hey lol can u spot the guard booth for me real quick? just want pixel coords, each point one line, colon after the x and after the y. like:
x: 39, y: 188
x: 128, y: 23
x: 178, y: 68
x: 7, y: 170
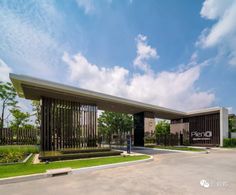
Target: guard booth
x: 206, y: 128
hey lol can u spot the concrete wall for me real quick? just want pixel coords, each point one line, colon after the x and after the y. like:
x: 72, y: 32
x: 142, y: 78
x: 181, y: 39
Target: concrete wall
x: 143, y: 122
x: 149, y: 122
x: 178, y: 127
x: 233, y: 135
x: 224, y: 125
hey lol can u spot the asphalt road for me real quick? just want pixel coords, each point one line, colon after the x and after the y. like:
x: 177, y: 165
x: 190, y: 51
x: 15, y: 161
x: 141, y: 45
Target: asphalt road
x: 169, y: 173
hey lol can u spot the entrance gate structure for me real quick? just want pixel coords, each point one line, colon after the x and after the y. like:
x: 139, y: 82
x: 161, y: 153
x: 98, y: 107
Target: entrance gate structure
x: 69, y: 114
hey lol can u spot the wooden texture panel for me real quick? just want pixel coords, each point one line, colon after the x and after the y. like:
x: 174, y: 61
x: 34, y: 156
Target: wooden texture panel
x: 203, y: 124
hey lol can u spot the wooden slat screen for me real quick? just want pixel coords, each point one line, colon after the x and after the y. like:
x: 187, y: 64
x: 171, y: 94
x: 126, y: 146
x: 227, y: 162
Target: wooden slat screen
x: 67, y: 124
x: 19, y: 136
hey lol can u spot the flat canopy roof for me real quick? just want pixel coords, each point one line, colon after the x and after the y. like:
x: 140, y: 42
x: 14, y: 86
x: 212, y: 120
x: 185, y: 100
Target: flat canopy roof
x: 34, y: 88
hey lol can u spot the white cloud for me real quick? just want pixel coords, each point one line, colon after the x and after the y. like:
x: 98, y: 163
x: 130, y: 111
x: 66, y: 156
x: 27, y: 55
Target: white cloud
x: 92, y: 6
x: 174, y: 89
x: 171, y: 89
x: 214, y: 9
x: 144, y: 53
x: 87, y: 5
x: 223, y: 32
x: 26, y: 38
x: 90, y: 76
x: 4, y: 71
x: 194, y: 57
x: 230, y: 110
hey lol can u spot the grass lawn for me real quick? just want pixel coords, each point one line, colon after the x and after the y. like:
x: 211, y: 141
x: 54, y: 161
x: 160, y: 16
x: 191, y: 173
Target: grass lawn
x: 177, y: 148
x: 29, y: 168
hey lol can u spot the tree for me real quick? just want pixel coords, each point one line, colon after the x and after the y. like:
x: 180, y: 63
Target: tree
x: 110, y: 123
x: 36, y: 112
x: 20, y: 119
x: 162, y: 128
x: 8, y: 99
x: 232, y: 124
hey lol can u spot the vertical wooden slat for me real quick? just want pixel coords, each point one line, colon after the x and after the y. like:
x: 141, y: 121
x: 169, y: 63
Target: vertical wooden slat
x: 56, y: 125
x: 69, y: 124
x: 46, y: 129
x: 75, y: 124
x: 62, y: 124
x: 52, y: 124
x: 79, y: 120
x: 84, y: 129
x: 91, y: 124
x: 86, y: 122
x: 72, y: 123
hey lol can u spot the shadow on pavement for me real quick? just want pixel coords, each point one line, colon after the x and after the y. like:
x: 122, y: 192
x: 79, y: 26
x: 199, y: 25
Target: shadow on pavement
x: 150, y: 151
x: 144, y: 150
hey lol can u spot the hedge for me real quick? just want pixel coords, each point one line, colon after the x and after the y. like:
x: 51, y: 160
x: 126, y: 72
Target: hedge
x: 71, y: 151
x: 78, y: 155
x: 229, y: 142
x: 19, y: 148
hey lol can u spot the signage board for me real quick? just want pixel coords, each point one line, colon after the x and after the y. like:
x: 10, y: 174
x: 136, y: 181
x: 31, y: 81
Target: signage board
x: 199, y: 135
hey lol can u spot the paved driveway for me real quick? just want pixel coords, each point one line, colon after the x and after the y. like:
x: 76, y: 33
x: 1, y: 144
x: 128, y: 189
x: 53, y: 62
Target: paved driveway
x: 169, y: 173
x: 150, y: 151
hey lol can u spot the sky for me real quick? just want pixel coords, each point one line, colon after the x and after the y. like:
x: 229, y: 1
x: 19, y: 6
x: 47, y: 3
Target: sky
x: 171, y: 53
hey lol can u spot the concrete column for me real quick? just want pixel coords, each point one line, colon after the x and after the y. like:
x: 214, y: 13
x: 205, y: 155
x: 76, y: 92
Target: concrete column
x: 143, y: 122
x: 224, y: 126
x: 139, y: 129
x: 149, y: 122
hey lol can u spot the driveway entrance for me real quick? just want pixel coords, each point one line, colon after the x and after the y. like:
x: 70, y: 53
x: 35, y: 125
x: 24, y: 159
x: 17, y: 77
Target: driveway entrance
x: 169, y: 173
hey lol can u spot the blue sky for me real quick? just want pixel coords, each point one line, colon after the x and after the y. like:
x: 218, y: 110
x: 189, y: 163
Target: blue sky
x: 177, y: 54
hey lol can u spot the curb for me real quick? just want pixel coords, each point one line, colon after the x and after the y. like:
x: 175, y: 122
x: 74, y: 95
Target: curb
x: 74, y: 171
x: 114, y: 165
x: 223, y: 149
x: 23, y: 178
x: 27, y: 158
x: 180, y: 151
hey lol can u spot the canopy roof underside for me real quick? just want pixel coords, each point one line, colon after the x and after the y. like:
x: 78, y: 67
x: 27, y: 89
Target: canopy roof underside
x: 34, y: 88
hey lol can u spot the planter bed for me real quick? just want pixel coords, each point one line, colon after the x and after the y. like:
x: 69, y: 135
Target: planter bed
x: 10, y: 154
x: 86, y: 150
x: 28, y: 168
x: 55, y: 156
x: 25, y: 158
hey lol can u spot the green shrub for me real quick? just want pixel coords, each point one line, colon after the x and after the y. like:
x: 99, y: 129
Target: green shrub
x: 9, y: 154
x: 19, y: 148
x: 10, y: 157
x: 229, y: 142
x: 186, y: 142
x: 149, y: 140
x: 86, y: 150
